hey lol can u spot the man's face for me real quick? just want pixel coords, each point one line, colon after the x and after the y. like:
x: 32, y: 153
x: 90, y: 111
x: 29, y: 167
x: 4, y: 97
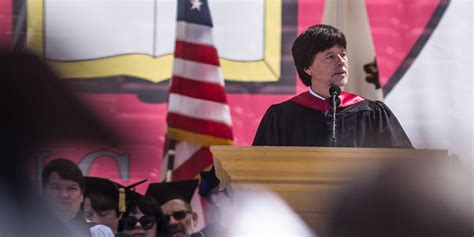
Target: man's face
x: 179, y: 227
x: 329, y: 67
x: 107, y: 217
x: 66, y: 195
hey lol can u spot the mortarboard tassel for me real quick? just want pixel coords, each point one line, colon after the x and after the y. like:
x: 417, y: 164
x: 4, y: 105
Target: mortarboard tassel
x: 121, y: 205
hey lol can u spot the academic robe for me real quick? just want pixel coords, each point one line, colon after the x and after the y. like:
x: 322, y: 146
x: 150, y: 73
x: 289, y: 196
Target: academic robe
x: 306, y: 120
x: 80, y: 226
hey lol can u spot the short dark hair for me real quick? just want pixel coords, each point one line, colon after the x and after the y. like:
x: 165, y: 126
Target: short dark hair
x: 103, y: 194
x: 313, y: 40
x: 148, y: 205
x: 66, y: 169
x: 101, y: 202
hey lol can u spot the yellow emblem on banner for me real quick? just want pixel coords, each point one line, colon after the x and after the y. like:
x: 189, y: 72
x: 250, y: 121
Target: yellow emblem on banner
x: 157, y: 69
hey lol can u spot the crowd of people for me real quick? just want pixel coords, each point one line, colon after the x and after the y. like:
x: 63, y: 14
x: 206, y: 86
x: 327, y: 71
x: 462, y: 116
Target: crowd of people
x: 398, y: 201
x: 94, y: 206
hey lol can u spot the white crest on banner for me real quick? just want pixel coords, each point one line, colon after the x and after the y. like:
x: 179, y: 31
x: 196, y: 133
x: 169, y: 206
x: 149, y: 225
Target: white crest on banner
x: 434, y: 99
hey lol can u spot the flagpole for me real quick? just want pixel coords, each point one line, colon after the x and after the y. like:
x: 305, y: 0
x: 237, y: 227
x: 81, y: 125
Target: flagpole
x: 171, y: 153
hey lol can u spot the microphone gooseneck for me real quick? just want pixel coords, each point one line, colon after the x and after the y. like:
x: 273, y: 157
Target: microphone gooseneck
x: 334, y: 91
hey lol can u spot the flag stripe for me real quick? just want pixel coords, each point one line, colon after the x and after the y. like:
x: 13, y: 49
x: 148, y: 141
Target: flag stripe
x: 195, y: 89
x: 201, y: 139
x: 198, y: 108
x: 200, y: 126
x: 191, y: 168
x: 196, y: 52
x: 184, y: 150
x: 193, y: 33
x: 198, y: 71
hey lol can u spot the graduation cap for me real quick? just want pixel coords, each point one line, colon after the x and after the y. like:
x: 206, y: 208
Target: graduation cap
x: 108, y: 188
x: 167, y: 191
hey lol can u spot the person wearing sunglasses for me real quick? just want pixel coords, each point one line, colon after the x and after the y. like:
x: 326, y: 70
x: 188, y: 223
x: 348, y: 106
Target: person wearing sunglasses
x: 175, y: 198
x: 144, y: 218
x: 181, y: 218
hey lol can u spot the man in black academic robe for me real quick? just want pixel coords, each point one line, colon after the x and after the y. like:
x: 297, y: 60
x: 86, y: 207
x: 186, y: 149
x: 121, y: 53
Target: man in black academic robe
x: 305, y: 120
x: 320, y: 58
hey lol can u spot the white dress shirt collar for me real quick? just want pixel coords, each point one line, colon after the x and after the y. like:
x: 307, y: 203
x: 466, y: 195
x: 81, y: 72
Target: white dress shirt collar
x: 316, y: 94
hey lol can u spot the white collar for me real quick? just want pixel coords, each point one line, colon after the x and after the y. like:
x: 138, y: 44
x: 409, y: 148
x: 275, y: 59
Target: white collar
x: 316, y: 95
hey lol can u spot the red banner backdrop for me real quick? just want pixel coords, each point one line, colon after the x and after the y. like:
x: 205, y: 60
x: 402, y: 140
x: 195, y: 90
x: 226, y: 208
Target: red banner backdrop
x: 398, y: 28
x: 6, y: 27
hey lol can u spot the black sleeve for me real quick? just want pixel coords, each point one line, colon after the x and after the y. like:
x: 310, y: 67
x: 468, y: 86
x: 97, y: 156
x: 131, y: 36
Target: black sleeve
x: 267, y: 132
x: 390, y: 131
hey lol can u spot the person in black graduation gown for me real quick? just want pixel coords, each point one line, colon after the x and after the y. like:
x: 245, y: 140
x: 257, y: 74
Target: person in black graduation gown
x: 320, y: 58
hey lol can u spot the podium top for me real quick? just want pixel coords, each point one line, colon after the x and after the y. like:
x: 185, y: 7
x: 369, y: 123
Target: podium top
x: 309, y: 164
x: 324, y: 152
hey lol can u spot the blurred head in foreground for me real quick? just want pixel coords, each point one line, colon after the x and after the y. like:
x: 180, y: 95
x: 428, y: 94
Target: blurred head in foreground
x: 414, y: 198
x: 259, y: 212
x: 37, y: 109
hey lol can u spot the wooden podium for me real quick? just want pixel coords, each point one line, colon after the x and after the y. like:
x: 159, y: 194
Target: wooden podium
x: 309, y: 179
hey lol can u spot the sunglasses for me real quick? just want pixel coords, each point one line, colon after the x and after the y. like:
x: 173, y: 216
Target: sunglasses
x: 177, y: 215
x: 146, y: 222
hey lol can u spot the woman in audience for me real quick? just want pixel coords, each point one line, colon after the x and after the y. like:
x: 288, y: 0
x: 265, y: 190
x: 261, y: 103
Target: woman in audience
x: 145, y: 218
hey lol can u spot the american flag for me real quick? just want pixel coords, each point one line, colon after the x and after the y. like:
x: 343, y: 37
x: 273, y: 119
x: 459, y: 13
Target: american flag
x: 198, y: 113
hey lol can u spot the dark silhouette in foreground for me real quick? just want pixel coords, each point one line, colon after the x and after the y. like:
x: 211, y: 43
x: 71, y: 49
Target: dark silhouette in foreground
x: 37, y: 109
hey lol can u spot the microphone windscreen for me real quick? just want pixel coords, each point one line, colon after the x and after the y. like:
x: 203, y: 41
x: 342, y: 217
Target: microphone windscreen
x: 335, y: 90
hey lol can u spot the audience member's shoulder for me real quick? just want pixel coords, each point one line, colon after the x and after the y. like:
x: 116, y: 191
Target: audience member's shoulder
x: 101, y: 231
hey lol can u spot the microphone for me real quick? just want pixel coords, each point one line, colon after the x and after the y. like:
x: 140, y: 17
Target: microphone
x: 334, y: 91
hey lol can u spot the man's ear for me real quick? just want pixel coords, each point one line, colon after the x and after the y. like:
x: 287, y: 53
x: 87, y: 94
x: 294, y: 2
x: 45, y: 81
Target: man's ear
x: 307, y: 71
x: 195, y: 219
